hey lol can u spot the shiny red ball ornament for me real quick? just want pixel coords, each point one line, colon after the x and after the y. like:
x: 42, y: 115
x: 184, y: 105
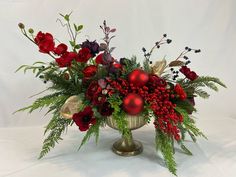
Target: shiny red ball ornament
x: 133, y: 104
x: 138, y: 77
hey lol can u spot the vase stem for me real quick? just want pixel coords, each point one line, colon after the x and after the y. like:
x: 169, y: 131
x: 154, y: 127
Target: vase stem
x: 126, y: 146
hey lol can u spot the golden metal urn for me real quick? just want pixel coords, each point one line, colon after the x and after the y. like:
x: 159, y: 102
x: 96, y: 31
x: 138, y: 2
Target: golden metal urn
x: 126, y: 146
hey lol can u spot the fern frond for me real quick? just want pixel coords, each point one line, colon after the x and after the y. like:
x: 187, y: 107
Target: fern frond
x: 93, y: 130
x: 56, y: 127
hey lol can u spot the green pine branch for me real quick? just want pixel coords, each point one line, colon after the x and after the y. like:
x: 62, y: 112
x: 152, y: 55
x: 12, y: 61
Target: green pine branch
x: 201, y: 82
x: 188, y: 125
x: 130, y: 65
x: 164, y: 144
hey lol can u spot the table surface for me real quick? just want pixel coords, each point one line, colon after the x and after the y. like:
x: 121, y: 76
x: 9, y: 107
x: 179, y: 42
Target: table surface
x: 20, y: 146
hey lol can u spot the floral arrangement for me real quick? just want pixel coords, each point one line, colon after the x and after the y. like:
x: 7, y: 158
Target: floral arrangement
x: 88, y: 85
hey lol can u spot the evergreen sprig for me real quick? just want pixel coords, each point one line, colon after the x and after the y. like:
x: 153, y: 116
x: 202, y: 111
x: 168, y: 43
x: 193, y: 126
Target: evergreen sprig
x: 129, y: 66
x: 45, y: 101
x: 164, y: 144
x: 56, y: 127
x: 119, y: 115
x: 93, y: 130
x: 189, y: 125
x: 197, y: 85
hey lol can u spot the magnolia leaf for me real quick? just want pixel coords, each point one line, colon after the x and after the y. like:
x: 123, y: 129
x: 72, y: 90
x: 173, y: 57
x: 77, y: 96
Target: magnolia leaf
x: 159, y: 67
x: 176, y: 63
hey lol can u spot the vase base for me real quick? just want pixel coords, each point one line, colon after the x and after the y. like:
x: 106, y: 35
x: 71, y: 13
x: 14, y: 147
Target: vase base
x: 121, y: 148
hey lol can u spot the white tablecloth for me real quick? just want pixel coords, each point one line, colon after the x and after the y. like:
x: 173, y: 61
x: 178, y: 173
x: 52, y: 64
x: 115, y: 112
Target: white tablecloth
x: 20, y: 146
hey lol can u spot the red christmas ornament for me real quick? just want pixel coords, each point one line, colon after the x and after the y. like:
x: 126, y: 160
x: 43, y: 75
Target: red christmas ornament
x: 133, y: 104
x: 138, y: 77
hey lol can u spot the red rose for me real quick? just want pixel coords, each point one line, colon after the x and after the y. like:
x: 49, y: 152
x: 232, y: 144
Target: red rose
x: 188, y: 73
x: 180, y: 91
x: 84, y: 119
x: 90, y: 71
x: 185, y: 70
x: 45, y: 42
x: 60, y: 49
x: 66, y: 59
x: 192, y: 76
x: 84, y: 55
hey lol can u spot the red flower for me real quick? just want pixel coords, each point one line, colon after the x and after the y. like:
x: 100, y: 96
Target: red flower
x: 90, y: 71
x: 99, y: 59
x: 185, y: 70
x: 66, y: 59
x: 84, y: 119
x: 106, y: 109
x: 45, y: 42
x: 60, y: 49
x: 117, y: 65
x: 155, y: 81
x: 94, y: 92
x: 192, y: 76
x: 84, y: 55
x: 180, y: 91
x: 188, y: 73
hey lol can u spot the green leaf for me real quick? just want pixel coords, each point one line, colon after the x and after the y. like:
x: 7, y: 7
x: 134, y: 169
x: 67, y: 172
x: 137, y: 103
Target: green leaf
x: 75, y: 27
x: 185, y: 149
x: 80, y: 27
x: 67, y: 17
x: 21, y: 67
x: 77, y: 46
x: 72, y: 43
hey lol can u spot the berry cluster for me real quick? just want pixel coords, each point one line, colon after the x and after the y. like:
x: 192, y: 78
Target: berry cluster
x: 155, y: 94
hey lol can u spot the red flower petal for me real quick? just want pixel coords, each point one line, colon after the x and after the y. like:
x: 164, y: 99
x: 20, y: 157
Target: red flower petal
x: 60, y: 49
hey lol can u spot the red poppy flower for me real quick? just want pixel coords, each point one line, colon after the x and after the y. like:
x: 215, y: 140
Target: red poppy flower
x: 84, y: 119
x: 45, y: 42
x: 66, y: 59
x: 60, y: 49
x: 90, y: 71
x: 84, y: 55
x: 105, y: 109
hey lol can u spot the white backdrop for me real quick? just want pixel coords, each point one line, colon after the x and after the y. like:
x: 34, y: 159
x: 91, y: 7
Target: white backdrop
x: 206, y: 24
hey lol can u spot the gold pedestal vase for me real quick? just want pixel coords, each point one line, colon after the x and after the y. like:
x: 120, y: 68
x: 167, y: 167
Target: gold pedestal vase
x: 127, y: 146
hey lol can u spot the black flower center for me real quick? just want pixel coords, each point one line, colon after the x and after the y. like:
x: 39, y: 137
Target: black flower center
x: 86, y: 118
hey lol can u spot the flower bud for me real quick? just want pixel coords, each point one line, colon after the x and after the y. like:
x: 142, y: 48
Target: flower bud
x: 21, y: 25
x: 31, y: 31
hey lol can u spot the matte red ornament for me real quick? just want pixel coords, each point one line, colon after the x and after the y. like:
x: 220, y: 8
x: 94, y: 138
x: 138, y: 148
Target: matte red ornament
x: 138, y: 77
x: 133, y: 104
